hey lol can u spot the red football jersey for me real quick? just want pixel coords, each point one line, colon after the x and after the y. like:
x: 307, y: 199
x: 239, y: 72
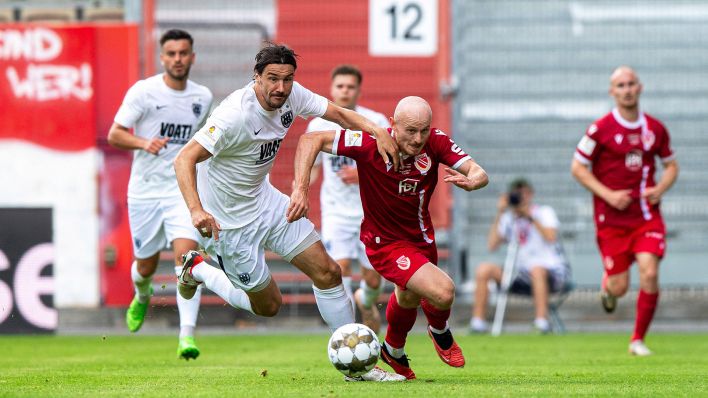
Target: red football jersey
x: 623, y: 156
x: 396, y: 202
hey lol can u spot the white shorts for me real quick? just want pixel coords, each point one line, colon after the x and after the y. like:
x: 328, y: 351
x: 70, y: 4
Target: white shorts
x: 341, y: 239
x: 155, y: 223
x: 240, y: 252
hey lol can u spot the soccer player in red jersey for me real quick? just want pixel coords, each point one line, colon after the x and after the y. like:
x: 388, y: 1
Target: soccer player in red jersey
x: 397, y: 229
x: 615, y: 160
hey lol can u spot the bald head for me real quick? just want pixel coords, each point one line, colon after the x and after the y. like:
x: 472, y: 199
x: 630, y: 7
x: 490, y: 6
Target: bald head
x: 623, y: 71
x: 411, y: 125
x: 411, y: 109
x: 625, y: 88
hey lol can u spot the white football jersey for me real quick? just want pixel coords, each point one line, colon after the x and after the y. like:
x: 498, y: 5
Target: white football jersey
x: 533, y: 249
x: 244, y: 139
x: 154, y: 110
x: 338, y: 199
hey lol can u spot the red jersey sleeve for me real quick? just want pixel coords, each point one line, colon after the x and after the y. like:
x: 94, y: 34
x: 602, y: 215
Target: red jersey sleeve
x: 587, y: 149
x: 665, y: 152
x: 352, y: 144
x: 445, y: 149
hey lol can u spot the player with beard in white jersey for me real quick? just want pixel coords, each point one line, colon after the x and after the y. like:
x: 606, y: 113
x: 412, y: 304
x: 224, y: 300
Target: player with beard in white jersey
x: 235, y: 206
x: 339, y: 197
x: 164, y: 112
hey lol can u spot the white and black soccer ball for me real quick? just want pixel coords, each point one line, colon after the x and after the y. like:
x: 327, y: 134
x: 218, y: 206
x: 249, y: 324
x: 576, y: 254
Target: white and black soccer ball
x: 353, y: 349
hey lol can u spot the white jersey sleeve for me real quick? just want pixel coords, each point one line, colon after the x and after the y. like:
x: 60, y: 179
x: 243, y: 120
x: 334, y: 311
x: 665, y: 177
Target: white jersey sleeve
x: 133, y: 106
x: 220, y: 129
x: 306, y: 103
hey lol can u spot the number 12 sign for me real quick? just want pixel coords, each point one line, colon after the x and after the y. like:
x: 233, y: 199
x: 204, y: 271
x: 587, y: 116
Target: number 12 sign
x: 403, y: 28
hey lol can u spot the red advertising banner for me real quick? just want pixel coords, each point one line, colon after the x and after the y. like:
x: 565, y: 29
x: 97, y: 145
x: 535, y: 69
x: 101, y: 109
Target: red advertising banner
x: 47, y: 85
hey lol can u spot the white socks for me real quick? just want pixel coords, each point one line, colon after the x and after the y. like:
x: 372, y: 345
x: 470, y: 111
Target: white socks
x: 188, y: 310
x: 217, y: 281
x: 395, y: 352
x: 335, y: 306
x: 347, y: 283
x: 370, y: 295
x: 438, y: 331
x: 142, y: 284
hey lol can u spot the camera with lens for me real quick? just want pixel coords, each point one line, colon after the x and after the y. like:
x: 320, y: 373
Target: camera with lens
x: 514, y: 198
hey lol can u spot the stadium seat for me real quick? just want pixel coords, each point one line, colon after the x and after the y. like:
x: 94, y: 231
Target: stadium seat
x: 48, y: 15
x: 7, y: 15
x: 103, y: 14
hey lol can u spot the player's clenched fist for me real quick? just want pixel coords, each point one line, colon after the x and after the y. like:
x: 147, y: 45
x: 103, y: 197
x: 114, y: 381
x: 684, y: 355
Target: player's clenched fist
x: 205, y: 224
x: 299, y: 205
x: 154, y: 145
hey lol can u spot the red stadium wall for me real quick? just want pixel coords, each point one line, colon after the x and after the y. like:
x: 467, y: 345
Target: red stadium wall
x: 326, y: 33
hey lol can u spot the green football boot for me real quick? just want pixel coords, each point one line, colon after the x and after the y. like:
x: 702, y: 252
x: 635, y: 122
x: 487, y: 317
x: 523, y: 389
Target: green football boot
x: 135, y: 315
x: 187, y: 348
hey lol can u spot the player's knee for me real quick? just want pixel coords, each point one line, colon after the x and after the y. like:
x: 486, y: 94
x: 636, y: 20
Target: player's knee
x: 618, y: 289
x: 268, y: 309
x: 329, y: 277
x: 443, y: 297
x: 649, y: 274
x: 484, y: 270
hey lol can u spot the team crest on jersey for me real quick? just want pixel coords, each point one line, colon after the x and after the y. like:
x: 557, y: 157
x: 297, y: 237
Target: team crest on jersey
x: 403, y: 262
x: 423, y: 163
x: 245, y: 278
x: 196, y: 109
x: 286, y: 119
x: 648, y: 139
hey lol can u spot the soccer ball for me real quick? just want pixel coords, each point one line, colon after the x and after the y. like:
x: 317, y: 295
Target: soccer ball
x: 353, y: 349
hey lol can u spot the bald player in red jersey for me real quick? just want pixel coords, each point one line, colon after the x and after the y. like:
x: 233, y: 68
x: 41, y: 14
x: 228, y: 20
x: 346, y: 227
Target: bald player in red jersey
x: 397, y: 229
x: 616, y: 161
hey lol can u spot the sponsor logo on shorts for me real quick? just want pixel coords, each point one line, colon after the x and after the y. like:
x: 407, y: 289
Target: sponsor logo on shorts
x: 403, y: 262
x: 609, y: 263
x: 654, y: 235
x: 245, y: 278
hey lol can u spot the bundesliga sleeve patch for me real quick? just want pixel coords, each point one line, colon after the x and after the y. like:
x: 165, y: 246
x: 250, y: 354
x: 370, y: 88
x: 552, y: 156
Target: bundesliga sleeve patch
x: 352, y: 138
x: 587, y: 145
x: 213, y: 133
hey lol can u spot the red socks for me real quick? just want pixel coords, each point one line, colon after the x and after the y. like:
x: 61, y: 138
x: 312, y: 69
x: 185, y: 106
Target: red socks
x: 646, y: 305
x: 436, y: 318
x: 400, y: 322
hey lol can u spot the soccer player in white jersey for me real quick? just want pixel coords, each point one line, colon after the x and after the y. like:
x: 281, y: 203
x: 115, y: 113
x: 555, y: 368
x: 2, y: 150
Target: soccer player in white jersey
x: 235, y: 205
x: 164, y: 111
x: 340, y: 201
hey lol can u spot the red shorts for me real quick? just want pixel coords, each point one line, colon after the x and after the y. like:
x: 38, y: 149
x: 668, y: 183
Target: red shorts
x: 398, y: 261
x: 618, y: 246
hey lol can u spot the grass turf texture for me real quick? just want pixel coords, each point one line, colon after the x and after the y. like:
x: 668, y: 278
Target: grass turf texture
x: 297, y: 366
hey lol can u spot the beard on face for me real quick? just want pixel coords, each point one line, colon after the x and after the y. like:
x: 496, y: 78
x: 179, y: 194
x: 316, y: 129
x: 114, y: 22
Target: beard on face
x: 181, y: 76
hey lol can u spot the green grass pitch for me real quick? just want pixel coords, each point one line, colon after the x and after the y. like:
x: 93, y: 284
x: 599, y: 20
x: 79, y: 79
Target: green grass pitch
x: 297, y: 366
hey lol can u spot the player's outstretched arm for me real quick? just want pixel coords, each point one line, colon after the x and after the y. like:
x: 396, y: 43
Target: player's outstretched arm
x: 351, y: 120
x: 618, y: 199
x: 469, y: 176
x: 120, y: 137
x: 308, y: 147
x: 186, y: 170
